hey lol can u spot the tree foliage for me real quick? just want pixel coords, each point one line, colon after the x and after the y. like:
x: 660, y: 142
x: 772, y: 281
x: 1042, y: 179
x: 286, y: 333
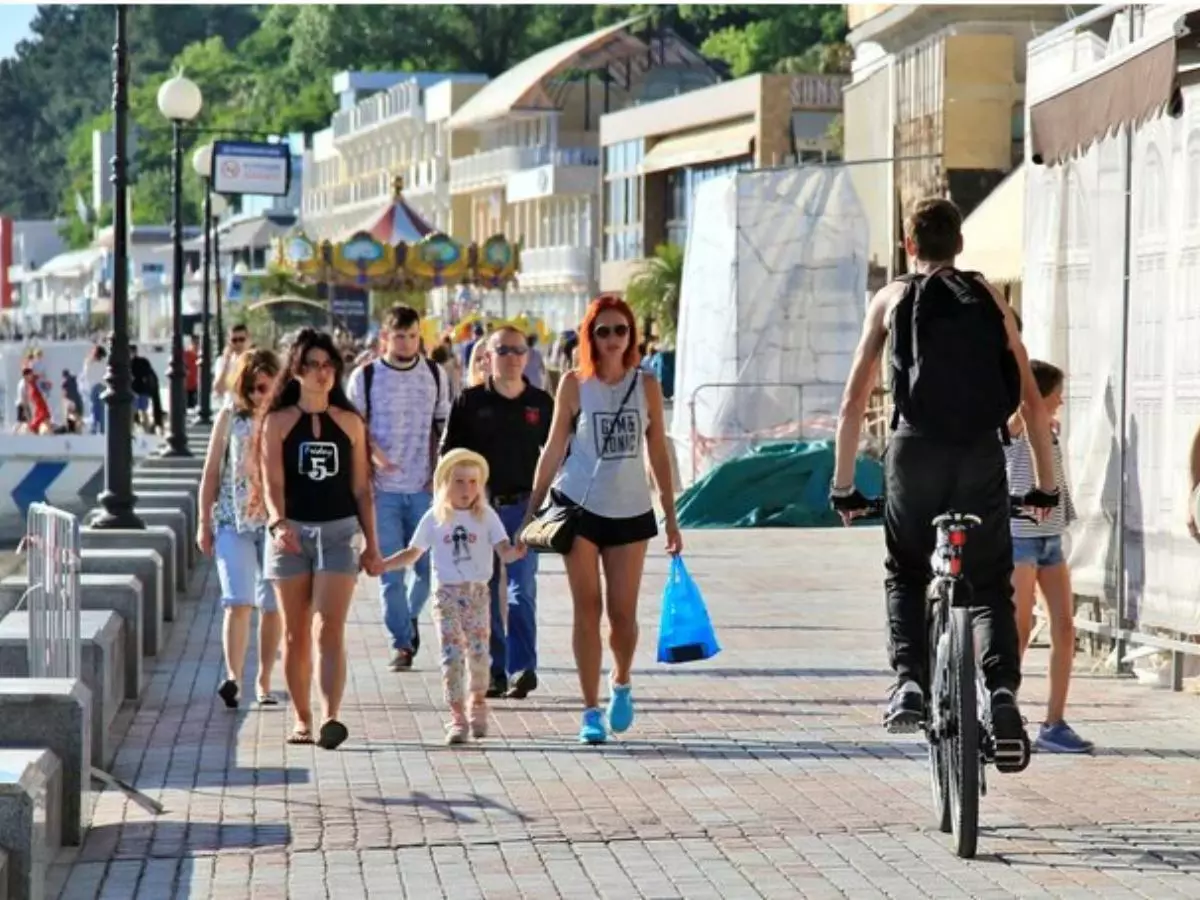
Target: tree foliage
x: 655, y: 289
x: 268, y: 68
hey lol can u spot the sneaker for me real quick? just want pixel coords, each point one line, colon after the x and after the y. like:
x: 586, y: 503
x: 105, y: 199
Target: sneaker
x: 593, y: 730
x: 906, y: 709
x: 416, y: 637
x: 228, y: 692
x: 497, y: 687
x: 1012, y: 746
x: 401, y: 661
x: 522, y: 684
x: 620, y: 707
x: 479, y: 721
x: 456, y: 732
x: 1061, y: 738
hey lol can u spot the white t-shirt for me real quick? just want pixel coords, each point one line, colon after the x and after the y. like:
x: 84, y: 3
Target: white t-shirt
x: 404, y: 405
x: 463, y: 549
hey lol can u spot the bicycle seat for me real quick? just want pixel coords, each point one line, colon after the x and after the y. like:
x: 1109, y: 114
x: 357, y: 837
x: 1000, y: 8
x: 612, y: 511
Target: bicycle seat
x: 952, y: 518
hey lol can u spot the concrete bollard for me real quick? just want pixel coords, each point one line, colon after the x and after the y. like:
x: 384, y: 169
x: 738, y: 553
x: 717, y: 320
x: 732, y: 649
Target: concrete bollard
x: 170, y: 466
x: 30, y: 830
x: 103, y: 667
x: 121, y: 594
x: 185, y: 502
x: 55, y: 714
x: 156, y: 537
x: 183, y: 529
x: 146, y: 566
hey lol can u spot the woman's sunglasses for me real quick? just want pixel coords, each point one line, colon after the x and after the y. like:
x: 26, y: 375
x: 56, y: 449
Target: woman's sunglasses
x: 603, y: 331
x: 506, y: 350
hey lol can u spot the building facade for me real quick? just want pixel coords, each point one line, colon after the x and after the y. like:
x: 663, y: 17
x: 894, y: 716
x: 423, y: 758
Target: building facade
x: 935, y: 107
x: 654, y: 155
x: 390, y: 124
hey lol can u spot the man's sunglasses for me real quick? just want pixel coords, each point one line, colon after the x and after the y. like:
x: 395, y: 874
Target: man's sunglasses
x: 238, y: 339
x: 603, y: 331
x: 506, y: 350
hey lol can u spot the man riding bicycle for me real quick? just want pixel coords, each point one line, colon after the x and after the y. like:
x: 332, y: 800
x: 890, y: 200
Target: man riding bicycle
x: 959, y: 369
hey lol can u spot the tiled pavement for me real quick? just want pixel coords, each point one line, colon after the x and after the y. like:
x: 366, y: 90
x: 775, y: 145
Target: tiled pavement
x: 762, y: 773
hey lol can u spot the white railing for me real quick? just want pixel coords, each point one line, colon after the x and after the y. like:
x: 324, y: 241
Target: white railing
x: 52, y: 546
x: 396, y: 102
x: 495, y: 166
x: 556, y: 265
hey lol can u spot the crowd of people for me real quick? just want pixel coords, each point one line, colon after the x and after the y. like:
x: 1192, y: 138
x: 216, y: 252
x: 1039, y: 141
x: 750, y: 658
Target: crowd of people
x: 424, y: 469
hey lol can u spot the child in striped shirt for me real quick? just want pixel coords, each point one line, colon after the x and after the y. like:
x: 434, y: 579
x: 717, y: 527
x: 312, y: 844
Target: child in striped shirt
x: 1038, y: 561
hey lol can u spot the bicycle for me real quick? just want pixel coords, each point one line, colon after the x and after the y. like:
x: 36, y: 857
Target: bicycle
x: 961, y: 741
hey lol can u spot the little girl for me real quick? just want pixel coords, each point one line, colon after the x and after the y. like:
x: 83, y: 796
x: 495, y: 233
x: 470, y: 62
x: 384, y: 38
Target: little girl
x: 463, y: 531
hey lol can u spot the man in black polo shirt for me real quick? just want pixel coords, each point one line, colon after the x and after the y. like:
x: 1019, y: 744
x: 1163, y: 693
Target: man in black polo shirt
x: 507, y: 421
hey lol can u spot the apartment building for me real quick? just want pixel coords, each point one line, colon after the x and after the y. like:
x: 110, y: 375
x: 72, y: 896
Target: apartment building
x: 654, y: 155
x: 936, y: 106
x: 535, y: 173
x: 389, y: 125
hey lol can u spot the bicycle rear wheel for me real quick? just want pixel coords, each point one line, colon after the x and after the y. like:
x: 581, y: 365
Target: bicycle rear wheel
x: 935, y: 731
x: 962, y: 749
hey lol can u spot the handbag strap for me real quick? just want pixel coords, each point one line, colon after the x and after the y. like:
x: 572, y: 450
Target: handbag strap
x: 608, y: 437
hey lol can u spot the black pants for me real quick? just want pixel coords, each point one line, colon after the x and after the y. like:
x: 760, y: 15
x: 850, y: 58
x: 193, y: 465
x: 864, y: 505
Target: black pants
x: 926, y: 477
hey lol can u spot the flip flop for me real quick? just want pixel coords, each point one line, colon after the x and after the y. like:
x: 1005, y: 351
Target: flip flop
x: 300, y: 736
x: 333, y: 733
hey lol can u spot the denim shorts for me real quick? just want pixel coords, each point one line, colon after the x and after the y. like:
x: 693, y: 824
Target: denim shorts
x: 324, y: 547
x: 239, y: 569
x: 1041, y: 552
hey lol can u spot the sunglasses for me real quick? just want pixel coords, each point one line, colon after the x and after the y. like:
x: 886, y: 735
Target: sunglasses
x: 505, y: 350
x: 315, y: 365
x: 238, y: 339
x: 603, y: 331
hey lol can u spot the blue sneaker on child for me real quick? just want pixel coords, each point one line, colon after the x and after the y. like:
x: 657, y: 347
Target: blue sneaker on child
x: 1061, y: 738
x: 593, y: 730
x: 620, y: 707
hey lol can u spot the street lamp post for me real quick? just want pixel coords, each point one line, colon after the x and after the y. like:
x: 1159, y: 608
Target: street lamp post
x: 202, y: 163
x: 117, y: 499
x: 219, y: 207
x: 179, y: 101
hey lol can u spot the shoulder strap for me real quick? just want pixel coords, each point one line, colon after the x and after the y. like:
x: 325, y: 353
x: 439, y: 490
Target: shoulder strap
x: 608, y: 437
x: 436, y: 371
x: 368, y: 377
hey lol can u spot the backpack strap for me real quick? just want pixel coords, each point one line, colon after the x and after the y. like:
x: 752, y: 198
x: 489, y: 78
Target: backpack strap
x: 368, y: 378
x: 904, y: 337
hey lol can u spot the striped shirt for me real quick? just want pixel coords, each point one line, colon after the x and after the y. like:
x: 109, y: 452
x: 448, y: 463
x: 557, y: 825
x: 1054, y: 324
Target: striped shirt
x: 1018, y: 459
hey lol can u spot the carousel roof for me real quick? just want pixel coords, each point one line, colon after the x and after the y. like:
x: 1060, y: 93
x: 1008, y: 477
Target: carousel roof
x: 397, y: 223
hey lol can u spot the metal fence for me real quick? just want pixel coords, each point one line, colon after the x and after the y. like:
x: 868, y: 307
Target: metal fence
x: 51, y: 545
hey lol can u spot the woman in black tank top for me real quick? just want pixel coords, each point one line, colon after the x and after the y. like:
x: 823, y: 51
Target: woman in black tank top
x: 313, y: 477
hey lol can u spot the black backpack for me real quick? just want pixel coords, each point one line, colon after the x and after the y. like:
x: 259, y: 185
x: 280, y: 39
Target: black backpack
x: 369, y: 379
x: 953, y: 374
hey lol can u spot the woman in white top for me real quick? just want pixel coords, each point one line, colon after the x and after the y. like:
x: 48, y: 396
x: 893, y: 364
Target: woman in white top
x: 609, y: 412
x: 93, y: 383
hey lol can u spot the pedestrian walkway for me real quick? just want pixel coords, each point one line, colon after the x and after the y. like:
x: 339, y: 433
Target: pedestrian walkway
x: 763, y: 773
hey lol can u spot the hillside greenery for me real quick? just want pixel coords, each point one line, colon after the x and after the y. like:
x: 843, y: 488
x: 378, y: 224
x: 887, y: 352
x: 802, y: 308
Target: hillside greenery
x: 268, y: 68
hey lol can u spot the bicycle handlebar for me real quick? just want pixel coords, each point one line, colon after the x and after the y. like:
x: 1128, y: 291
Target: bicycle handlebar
x: 1017, y: 509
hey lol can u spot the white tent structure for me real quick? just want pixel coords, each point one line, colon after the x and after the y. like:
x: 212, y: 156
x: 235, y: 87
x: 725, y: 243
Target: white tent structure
x: 773, y: 298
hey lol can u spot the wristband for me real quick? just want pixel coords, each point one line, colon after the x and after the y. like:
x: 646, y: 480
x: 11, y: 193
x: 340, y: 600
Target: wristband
x: 835, y: 491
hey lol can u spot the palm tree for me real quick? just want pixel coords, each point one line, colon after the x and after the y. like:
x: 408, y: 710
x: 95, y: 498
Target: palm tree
x: 654, y: 291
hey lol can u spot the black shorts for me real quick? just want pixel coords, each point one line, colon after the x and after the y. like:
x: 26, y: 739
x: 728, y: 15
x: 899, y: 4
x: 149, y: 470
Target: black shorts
x: 605, y: 532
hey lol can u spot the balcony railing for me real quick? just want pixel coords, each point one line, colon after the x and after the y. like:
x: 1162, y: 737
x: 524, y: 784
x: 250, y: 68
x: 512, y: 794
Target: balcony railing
x: 428, y: 176
x: 556, y: 265
x: 396, y: 102
x: 493, y: 167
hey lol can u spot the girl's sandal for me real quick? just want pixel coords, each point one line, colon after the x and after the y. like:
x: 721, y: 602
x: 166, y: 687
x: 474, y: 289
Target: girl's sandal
x: 300, y: 736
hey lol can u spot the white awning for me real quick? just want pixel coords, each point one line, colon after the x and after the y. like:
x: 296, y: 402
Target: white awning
x: 994, y: 234
x: 520, y: 88
x: 710, y: 145
x: 72, y: 264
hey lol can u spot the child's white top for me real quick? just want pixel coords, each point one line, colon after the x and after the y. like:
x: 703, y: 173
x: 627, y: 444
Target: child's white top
x: 1019, y: 458
x: 462, y: 549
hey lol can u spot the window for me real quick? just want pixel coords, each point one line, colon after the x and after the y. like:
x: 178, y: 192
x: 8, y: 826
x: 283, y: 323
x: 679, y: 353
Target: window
x: 1193, y: 180
x: 623, y: 200
x: 681, y: 187
x: 1151, y: 187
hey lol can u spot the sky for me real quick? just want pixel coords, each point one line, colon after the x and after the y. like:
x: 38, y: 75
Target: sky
x: 14, y: 25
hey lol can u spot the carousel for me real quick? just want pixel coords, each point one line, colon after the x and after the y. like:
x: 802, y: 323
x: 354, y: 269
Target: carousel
x: 397, y: 250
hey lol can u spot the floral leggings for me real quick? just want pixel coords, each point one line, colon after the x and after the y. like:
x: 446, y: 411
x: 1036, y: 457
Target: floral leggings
x: 461, y: 613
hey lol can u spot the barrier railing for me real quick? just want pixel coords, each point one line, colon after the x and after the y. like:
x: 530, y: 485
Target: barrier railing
x: 52, y: 546
x: 789, y: 428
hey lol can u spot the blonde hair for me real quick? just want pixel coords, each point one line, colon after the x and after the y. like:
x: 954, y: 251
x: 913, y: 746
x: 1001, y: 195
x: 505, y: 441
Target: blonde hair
x: 443, y: 509
x: 477, y: 373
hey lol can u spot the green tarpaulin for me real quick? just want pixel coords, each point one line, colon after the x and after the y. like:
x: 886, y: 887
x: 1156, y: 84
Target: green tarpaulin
x: 773, y: 486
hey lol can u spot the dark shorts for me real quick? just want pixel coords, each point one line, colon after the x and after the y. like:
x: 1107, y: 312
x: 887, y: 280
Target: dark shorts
x: 606, y: 532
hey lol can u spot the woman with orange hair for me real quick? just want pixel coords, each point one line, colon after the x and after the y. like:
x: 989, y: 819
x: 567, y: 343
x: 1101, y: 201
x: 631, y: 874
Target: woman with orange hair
x: 608, y: 411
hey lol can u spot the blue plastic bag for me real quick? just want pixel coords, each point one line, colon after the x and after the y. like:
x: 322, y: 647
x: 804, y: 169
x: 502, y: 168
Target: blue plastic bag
x: 685, y: 632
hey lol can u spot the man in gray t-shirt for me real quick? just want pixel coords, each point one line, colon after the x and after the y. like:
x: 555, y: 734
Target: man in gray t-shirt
x: 406, y: 400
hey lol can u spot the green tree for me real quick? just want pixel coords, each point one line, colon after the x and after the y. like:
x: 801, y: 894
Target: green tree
x: 654, y: 290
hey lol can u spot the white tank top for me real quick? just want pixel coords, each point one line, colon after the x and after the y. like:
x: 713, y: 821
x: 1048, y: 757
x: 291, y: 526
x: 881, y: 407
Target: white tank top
x: 620, y: 489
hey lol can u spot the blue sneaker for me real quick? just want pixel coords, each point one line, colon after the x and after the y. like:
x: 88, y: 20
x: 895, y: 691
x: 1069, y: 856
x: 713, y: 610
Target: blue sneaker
x: 1061, y: 738
x: 620, y: 707
x: 593, y: 730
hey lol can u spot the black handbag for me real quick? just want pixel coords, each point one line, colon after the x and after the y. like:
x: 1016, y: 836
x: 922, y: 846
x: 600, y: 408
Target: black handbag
x: 552, y: 529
